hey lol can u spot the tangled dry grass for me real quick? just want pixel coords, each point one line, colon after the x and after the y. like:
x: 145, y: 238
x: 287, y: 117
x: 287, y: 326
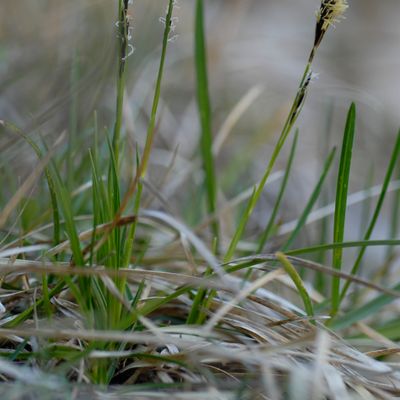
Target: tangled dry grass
x: 256, y: 343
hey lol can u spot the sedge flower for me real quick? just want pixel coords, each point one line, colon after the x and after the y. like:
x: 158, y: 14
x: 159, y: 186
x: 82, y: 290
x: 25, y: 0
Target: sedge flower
x: 330, y: 12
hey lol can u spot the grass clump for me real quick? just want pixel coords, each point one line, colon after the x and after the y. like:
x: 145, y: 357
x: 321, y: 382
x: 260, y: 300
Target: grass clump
x: 104, y: 290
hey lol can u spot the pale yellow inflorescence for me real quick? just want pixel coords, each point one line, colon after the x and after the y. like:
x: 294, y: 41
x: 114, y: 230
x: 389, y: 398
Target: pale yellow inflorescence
x: 330, y: 12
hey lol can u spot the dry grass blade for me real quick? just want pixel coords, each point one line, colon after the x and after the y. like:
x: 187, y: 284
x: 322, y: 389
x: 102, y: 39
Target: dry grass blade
x: 241, y: 296
x: 22, y: 250
x: 86, y: 235
x: 30, y: 376
x: 192, y: 238
x: 352, y: 199
x: 321, y: 360
x: 136, y: 275
x: 245, y: 102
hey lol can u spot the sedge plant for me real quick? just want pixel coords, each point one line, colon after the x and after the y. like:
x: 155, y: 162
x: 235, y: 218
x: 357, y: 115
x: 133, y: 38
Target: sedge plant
x: 179, y: 307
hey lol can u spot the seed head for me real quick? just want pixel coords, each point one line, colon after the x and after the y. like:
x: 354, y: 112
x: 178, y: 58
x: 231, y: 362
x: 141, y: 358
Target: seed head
x: 330, y: 12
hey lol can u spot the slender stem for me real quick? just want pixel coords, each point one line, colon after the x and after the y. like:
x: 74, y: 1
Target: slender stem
x: 123, y: 32
x: 152, y: 124
x: 289, y: 123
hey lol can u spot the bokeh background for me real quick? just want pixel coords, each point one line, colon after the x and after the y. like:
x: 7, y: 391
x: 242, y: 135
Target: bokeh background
x: 58, y: 64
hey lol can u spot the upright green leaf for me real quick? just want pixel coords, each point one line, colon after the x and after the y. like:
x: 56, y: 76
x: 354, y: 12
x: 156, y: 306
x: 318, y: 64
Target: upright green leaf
x: 341, y: 201
x: 377, y: 211
x: 203, y: 98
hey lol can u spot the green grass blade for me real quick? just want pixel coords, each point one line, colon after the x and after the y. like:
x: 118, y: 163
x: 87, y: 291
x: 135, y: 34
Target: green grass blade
x: 370, y: 308
x: 73, y: 120
x: 132, y: 230
x: 377, y: 211
x: 196, y: 310
x: 311, y: 202
x: 394, y: 217
x: 65, y: 202
x: 294, y: 275
x: 367, y: 203
x: 99, y: 200
x: 24, y: 315
x: 115, y: 200
x: 390, y: 330
x: 271, y: 222
x: 341, y: 202
x: 324, y: 141
x: 343, y: 245
x: 203, y: 98
x: 114, y: 193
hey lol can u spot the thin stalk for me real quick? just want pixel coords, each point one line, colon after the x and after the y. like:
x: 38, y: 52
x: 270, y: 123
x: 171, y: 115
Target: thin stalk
x: 329, y: 13
x: 271, y: 223
x: 141, y: 172
x: 152, y: 124
x: 290, y: 121
x: 123, y: 33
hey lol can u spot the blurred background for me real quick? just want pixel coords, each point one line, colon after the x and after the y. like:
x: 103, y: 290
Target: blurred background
x: 58, y: 65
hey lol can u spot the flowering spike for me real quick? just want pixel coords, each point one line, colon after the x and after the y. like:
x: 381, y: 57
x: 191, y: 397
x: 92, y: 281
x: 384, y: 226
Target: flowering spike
x: 330, y: 12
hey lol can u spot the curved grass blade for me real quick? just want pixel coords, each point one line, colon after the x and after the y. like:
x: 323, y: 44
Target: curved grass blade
x: 294, y: 275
